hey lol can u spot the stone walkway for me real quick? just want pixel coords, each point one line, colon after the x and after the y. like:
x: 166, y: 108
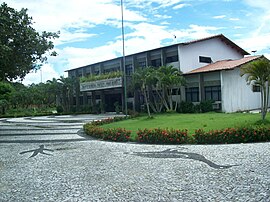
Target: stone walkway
x: 49, y: 159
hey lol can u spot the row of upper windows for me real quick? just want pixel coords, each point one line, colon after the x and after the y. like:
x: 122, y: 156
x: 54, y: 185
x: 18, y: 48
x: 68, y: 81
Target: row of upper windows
x: 153, y: 63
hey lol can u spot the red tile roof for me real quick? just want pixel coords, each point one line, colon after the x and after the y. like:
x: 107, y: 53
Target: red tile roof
x: 224, y: 65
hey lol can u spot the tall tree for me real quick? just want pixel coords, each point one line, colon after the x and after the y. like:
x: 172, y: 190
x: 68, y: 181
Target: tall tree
x: 22, y: 48
x: 169, y: 79
x: 5, y: 95
x: 258, y: 73
x: 141, y: 79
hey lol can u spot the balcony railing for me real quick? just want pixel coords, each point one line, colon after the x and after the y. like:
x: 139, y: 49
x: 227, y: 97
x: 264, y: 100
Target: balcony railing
x: 101, y: 84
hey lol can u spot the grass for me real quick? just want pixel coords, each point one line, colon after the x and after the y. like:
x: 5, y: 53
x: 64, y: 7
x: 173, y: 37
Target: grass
x: 191, y: 122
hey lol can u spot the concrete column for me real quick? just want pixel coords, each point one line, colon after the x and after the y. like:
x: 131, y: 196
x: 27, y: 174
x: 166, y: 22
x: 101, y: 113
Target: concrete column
x: 183, y: 93
x: 201, y: 88
x: 102, y: 104
x: 93, y: 102
x: 85, y: 103
x: 101, y: 68
x: 163, y: 57
x: 148, y: 59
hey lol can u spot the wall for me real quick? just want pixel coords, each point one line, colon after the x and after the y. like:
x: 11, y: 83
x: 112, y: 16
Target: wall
x: 214, y: 48
x: 236, y: 94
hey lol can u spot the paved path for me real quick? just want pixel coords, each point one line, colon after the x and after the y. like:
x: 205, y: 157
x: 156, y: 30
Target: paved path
x: 47, y: 159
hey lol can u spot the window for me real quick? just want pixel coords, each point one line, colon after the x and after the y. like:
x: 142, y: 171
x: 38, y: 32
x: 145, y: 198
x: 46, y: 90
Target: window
x: 96, y: 72
x: 256, y: 88
x: 192, y: 94
x: 81, y: 100
x: 129, y: 69
x: 212, y: 93
x: 156, y: 63
x: 142, y: 64
x: 203, y: 59
x: 172, y: 59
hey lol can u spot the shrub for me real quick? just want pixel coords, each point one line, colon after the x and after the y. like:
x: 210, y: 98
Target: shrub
x: 231, y: 135
x: 59, y: 109
x: 118, y: 134
x: 186, y: 107
x: 107, y: 121
x: 206, y: 106
x: 163, y: 136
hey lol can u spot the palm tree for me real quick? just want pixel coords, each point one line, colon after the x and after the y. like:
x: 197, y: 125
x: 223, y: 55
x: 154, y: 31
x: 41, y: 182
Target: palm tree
x: 258, y: 73
x: 68, y: 86
x: 142, y: 78
x: 55, y: 90
x: 169, y: 78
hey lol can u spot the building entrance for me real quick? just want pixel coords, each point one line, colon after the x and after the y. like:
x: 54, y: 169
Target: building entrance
x: 110, y: 100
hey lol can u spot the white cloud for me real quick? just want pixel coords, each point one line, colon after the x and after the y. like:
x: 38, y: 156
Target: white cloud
x: 61, y: 15
x: 179, y: 6
x: 163, y: 16
x: 234, y: 19
x: 46, y: 73
x: 219, y: 17
x: 258, y: 42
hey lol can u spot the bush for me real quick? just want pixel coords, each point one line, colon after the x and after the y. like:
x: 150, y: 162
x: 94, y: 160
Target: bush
x: 186, y: 107
x: 231, y: 135
x: 206, y: 106
x: 118, y: 134
x: 162, y: 136
x: 59, y: 109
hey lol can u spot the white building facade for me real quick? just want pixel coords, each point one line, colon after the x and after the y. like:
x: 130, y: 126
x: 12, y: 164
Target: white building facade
x: 221, y: 84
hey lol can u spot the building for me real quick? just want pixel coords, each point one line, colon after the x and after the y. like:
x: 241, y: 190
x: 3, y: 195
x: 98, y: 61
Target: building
x: 210, y: 66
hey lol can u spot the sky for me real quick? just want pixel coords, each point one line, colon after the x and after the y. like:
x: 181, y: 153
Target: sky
x: 90, y: 30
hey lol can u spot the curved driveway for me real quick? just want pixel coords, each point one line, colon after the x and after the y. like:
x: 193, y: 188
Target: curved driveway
x: 49, y: 159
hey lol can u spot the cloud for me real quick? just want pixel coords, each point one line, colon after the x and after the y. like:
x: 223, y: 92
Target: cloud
x: 73, y: 18
x: 260, y: 43
x: 179, y: 6
x: 219, y: 17
x: 163, y: 16
x: 46, y: 72
x: 234, y: 19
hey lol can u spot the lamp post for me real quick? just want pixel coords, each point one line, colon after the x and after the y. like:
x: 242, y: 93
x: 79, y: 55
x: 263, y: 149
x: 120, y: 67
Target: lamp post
x: 124, y: 59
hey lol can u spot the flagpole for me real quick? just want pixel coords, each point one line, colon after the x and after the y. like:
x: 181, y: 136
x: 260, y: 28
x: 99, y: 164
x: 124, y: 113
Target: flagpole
x: 124, y: 58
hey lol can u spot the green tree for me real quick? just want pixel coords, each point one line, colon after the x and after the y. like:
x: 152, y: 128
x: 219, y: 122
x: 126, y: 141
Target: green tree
x: 141, y: 79
x: 5, y: 95
x: 22, y: 48
x: 68, y: 88
x: 258, y: 73
x: 169, y: 79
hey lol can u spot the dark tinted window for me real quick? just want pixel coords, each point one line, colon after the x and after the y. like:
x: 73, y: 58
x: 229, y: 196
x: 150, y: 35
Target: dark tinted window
x: 192, y: 94
x: 172, y: 59
x: 213, y: 93
x: 205, y: 59
x: 156, y: 63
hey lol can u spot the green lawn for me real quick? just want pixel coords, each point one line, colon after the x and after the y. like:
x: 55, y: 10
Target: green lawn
x: 191, y: 122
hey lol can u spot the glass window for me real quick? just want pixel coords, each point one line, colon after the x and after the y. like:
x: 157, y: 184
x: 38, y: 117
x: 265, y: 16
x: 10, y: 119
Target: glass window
x: 129, y: 69
x: 256, y: 88
x: 192, y: 94
x: 203, y: 59
x: 142, y: 64
x: 156, y: 63
x: 212, y: 93
x: 172, y: 59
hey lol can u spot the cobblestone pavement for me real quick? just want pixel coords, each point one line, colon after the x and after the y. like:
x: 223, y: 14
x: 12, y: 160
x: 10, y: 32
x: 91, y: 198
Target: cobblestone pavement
x: 49, y: 159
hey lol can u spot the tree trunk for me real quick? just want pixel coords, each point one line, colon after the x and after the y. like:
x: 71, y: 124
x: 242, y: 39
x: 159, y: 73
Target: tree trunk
x: 146, y: 101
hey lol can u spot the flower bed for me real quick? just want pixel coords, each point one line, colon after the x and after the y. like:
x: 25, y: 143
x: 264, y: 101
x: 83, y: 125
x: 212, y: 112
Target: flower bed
x: 174, y: 136
x: 232, y: 135
x: 117, y: 135
x: 163, y: 136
